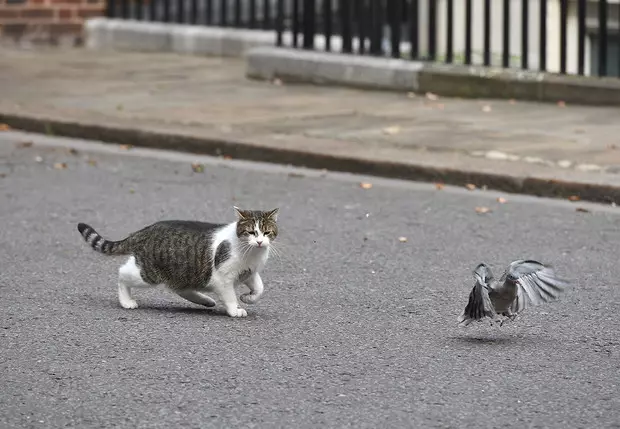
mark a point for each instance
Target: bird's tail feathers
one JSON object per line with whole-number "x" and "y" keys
{"x": 479, "y": 305}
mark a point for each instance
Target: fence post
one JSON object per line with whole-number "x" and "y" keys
{"x": 309, "y": 24}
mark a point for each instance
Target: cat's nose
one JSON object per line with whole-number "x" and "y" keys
{"x": 259, "y": 243}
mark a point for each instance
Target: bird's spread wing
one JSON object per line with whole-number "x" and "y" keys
{"x": 536, "y": 284}
{"x": 479, "y": 305}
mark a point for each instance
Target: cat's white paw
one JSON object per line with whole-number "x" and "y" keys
{"x": 249, "y": 298}
{"x": 129, "y": 303}
{"x": 237, "y": 312}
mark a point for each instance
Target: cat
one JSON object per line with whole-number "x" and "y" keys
{"x": 190, "y": 258}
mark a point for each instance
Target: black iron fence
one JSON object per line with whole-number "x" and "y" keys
{"x": 564, "y": 36}
{"x": 250, "y": 14}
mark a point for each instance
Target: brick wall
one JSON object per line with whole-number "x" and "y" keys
{"x": 47, "y": 21}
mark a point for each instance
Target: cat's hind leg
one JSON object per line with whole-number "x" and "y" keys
{"x": 196, "y": 297}
{"x": 129, "y": 277}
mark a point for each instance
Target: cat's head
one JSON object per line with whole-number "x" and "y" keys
{"x": 257, "y": 228}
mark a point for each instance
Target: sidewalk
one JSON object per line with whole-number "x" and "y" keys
{"x": 207, "y": 105}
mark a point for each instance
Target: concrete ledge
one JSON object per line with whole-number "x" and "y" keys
{"x": 603, "y": 192}
{"x": 448, "y": 80}
{"x": 120, "y": 34}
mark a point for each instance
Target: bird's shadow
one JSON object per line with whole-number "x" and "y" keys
{"x": 486, "y": 339}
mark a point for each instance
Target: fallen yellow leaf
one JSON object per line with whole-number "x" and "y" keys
{"x": 501, "y": 200}
{"x": 198, "y": 168}
{"x": 395, "y": 129}
{"x": 366, "y": 185}
{"x": 439, "y": 186}
{"x": 4, "y": 127}
{"x": 92, "y": 162}
{"x": 60, "y": 166}
{"x": 470, "y": 186}
{"x": 125, "y": 147}
{"x": 227, "y": 157}
{"x": 402, "y": 239}
{"x": 482, "y": 210}
{"x": 574, "y": 198}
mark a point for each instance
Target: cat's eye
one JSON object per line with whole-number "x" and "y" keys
{"x": 252, "y": 232}
{"x": 268, "y": 233}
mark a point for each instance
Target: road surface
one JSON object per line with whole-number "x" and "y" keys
{"x": 356, "y": 329}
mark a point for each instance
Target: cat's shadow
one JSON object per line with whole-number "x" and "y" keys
{"x": 166, "y": 308}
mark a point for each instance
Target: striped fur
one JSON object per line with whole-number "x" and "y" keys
{"x": 100, "y": 244}
{"x": 191, "y": 257}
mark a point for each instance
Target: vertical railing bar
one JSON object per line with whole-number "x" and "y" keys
{"x": 208, "y": 12}
{"x": 279, "y": 21}
{"x": 414, "y": 29}
{"x": 166, "y": 10}
{"x": 327, "y": 24}
{"x": 223, "y": 13}
{"x": 581, "y": 36}
{"x": 563, "y": 23}
{"x": 237, "y": 13}
{"x": 139, "y": 10}
{"x": 395, "y": 30}
{"x": 432, "y": 30}
{"x": 125, "y": 9}
{"x": 152, "y": 10}
{"x": 543, "y": 36}
{"x": 506, "y": 35}
{"x": 266, "y": 14}
{"x": 295, "y": 22}
{"x": 602, "y": 47}
{"x": 252, "y": 23}
{"x": 180, "y": 11}
{"x": 468, "y": 30}
{"x": 110, "y": 9}
{"x": 194, "y": 12}
{"x": 487, "y": 32}
{"x": 524, "y": 33}
{"x": 345, "y": 25}
{"x": 361, "y": 23}
{"x": 309, "y": 24}
{"x": 449, "y": 31}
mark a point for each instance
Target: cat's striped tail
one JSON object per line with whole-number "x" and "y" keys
{"x": 99, "y": 243}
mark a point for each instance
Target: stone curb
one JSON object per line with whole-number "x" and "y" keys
{"x": 132, "y": 35}
{"x": 293, "y": 65}
{"x": 120, "y": 34}
{"x": 595, "y": 192}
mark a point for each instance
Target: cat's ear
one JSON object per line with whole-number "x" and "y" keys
{"x": 242, "y": 214}
{"x": 272, "y": 214}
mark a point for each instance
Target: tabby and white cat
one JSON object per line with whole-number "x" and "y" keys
{"x": 191, "y": 258}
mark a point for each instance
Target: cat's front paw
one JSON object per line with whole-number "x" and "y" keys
{"x": 237, "y": 312}
{"x": 129, "y": 304}
{"x": 249, "y": 298}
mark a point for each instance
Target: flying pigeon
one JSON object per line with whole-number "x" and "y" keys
{"x": 525, "y": 283}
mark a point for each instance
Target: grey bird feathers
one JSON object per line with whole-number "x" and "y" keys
{"x": 525, "y": 283}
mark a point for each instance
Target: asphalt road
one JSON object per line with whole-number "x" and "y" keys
{"x": 356, "y": 328}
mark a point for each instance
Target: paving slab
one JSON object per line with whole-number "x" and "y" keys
{"x": 168, "y": 99}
